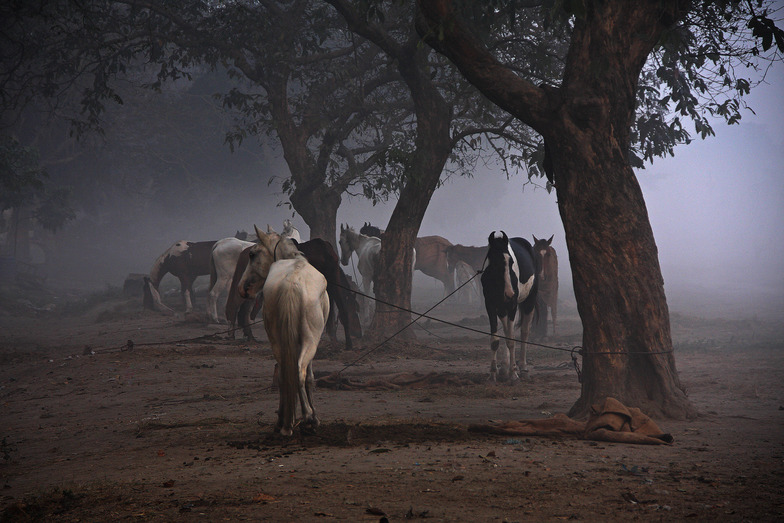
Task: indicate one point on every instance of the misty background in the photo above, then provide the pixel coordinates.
(716, 208)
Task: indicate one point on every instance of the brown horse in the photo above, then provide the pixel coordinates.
(431, 259)
(186, 261)
(547, 259)
(322, 256)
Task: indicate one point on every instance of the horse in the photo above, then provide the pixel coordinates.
(296, 307)
(473, 256)
(547, 259)
(223, 260)
(186, 261)
(367, 249)
(322, 256)
(371, 230)
(431, 259)
(463, 274)
(509, 283)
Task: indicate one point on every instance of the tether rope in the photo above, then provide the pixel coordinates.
(574, 350)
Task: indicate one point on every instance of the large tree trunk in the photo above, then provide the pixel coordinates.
(627, 347)
(319, 210)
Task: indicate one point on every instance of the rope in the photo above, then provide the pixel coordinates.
(574, 351)
(581, 350)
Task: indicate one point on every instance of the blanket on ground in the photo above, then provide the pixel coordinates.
(609, 421)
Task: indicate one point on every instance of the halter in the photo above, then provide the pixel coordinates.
(275, 250)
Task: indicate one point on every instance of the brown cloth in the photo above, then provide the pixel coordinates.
(609, 421)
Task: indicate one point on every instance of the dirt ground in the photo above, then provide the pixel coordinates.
(179, 426)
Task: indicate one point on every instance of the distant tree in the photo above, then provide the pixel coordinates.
(341, 107)
(24, 190)
(670, 50)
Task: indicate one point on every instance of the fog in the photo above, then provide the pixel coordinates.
(716, 208)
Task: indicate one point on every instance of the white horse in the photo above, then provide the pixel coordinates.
(223, 261)
(289, 231)
(367, 249)
(296, 307)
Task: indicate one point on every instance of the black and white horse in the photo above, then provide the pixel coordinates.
(509, 283)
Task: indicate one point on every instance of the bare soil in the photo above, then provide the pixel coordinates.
(177, 425)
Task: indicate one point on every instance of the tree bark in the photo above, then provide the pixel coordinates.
(627, 345)
(433, 144)
(318, 207)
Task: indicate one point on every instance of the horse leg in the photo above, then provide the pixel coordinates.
(309, 346)
(212, 303)
(367, 314)
(554, 312)
(243, 320)
(525, 331)
(309, 418)
(341, 312)
(331, 328)
(186, 290)
(508, 324)
(494, 341)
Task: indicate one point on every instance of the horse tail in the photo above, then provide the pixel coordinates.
(287, 305)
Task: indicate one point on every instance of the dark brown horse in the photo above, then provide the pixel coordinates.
(186, 261)
(473, 256)
(322, 256)
(547, 259)
(431, 259)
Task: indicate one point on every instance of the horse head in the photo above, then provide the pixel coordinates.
(542, 249)
(271, 247)
(371, 230)
(499, 264)
(346, 247)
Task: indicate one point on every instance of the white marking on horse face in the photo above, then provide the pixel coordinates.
(543, 253)
(498, 235)
(345, 250)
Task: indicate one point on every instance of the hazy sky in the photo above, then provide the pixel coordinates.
(717, 207)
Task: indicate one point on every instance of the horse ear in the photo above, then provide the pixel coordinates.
(534, 237)
(550, 240)
(259, 234)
